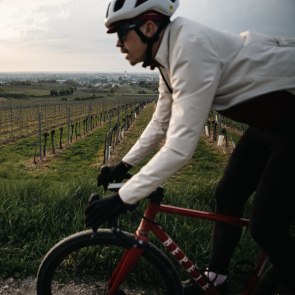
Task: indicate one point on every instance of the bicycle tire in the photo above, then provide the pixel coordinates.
(73, 254)
(270, 284)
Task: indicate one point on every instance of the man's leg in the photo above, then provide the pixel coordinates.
(239, 181)
(273, 209)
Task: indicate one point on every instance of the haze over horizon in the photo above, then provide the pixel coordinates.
(69, 35)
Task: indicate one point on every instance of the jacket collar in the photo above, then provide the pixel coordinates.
(163, 51)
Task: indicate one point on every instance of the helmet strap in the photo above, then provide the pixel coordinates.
(150, 41)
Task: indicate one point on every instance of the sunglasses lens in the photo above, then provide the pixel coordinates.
(123, 29)
(121, 32)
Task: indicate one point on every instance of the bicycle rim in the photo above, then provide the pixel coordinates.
(82, 263)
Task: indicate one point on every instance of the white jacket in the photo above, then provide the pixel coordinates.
(205, 69)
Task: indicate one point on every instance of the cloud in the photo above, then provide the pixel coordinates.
(67, 34)
(71, 33)
(274, 17)
(69, 27)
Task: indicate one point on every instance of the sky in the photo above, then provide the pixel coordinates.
(69, 35)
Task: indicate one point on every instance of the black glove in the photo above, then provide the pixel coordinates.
(105, 209)
(115, 173)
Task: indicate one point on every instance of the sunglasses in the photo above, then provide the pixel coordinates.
(123, 29)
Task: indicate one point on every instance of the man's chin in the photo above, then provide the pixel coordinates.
(133, 63)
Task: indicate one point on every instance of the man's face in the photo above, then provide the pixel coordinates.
(131, 45)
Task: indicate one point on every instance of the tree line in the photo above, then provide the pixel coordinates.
(68, 91)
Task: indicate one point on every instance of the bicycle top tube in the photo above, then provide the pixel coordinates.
(157, 196)
(203, 215)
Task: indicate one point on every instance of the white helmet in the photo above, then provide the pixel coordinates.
(119, 10)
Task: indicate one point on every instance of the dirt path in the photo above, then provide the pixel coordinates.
(18, 287)
(28, 287)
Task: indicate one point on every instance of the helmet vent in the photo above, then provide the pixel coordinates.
(118, 5)
(139, 2)
(107, 15)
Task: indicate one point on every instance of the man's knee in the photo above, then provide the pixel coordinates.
(228, 200)
(261, 232)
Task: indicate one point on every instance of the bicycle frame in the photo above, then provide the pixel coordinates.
(147, 225)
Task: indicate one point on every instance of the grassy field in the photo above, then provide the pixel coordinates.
(36, 92)
(40, 204)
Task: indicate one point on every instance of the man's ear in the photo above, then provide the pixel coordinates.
(150, 28)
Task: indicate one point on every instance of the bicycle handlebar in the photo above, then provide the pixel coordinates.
(156, 196)
(115, 186)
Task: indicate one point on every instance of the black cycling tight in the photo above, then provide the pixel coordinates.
(263, 164)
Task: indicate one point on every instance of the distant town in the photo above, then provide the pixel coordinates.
(82, 78)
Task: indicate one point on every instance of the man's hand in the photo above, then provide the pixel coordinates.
(115, 173)
(105, 209)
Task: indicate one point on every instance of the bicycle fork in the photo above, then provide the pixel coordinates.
(123, 268)
(126, 263)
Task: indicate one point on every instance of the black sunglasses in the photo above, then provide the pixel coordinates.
(123, 29)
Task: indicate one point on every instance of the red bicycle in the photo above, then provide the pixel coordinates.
(115, 262)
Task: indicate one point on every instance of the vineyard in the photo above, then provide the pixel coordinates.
(33, 110)
(54, 122)
(23, 120)
(54, 119)
(222, 131)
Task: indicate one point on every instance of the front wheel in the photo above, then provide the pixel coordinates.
(270, 284)
(84, 262)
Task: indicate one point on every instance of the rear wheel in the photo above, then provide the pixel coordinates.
(85, 261)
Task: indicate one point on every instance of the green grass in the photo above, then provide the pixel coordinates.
(34, 90)
(40, 204)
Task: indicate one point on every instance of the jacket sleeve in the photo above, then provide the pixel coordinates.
(194, 76)
(155, 130)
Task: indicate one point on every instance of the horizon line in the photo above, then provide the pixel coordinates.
(58, 71)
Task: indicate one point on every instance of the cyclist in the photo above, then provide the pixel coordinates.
(248, 77)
